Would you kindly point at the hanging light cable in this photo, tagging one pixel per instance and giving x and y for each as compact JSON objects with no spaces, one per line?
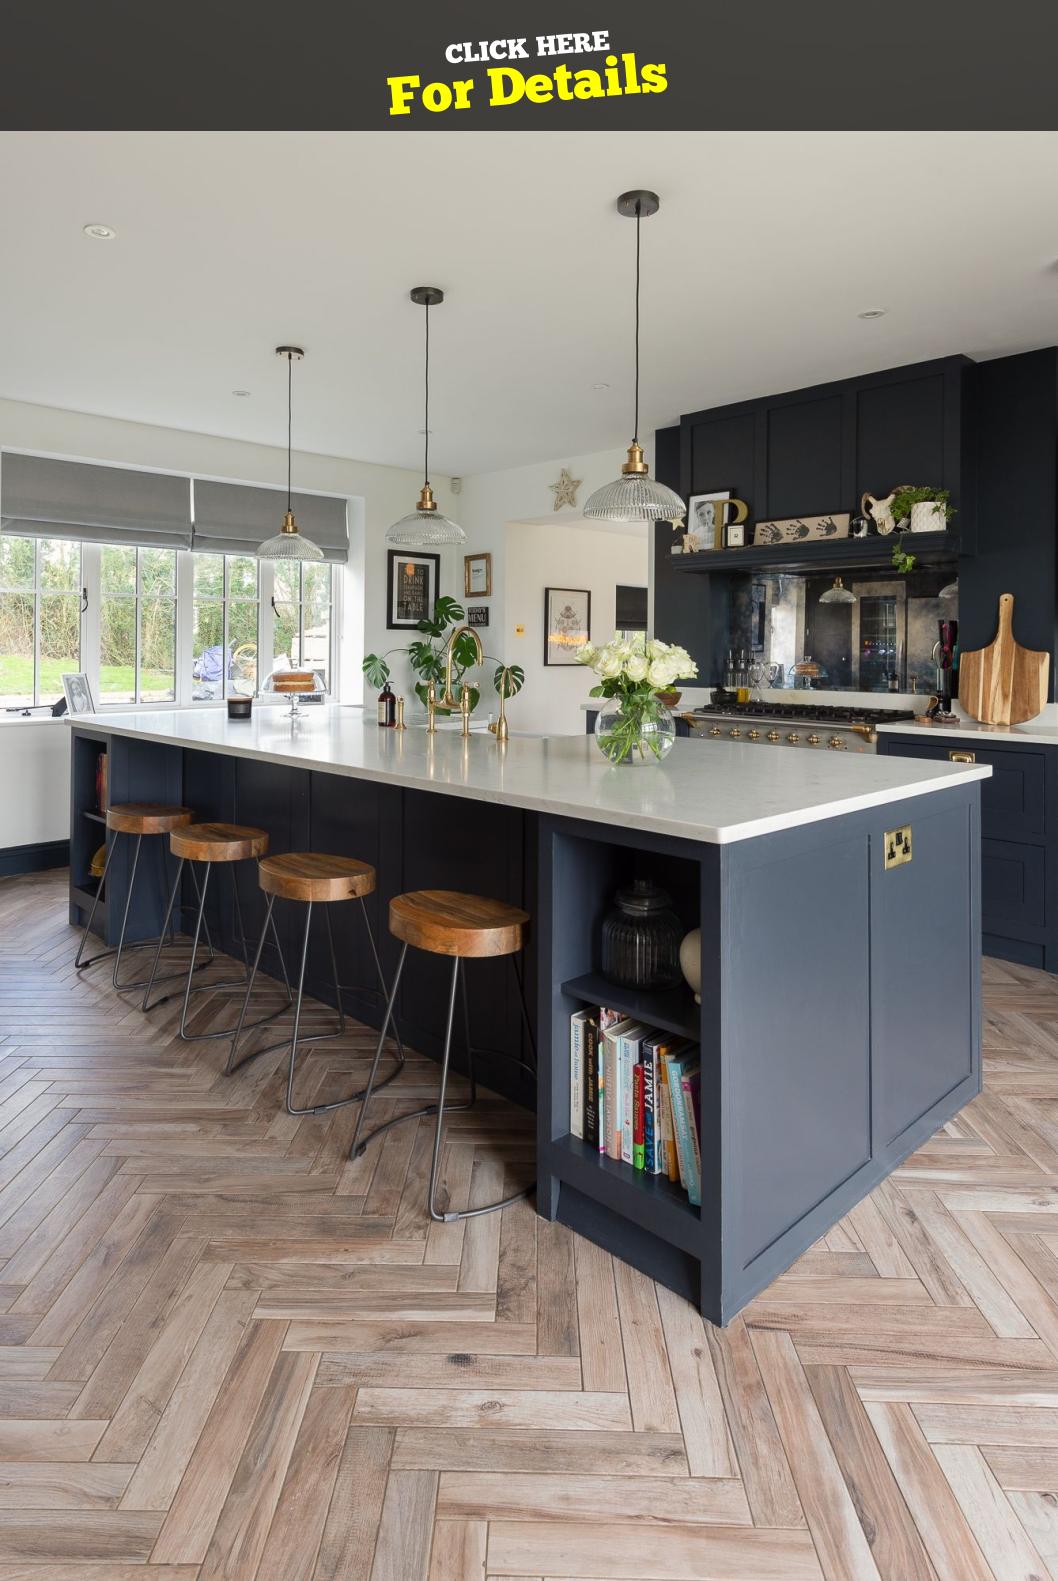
{"x":289,"y":543}
{"x":426,"y":526}
{"x":635,"y":496}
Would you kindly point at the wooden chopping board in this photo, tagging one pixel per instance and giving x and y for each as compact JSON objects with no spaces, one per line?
{"x":1003,"y":684}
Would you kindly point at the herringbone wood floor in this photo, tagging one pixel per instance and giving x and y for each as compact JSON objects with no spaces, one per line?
{"x":227,"y":1352}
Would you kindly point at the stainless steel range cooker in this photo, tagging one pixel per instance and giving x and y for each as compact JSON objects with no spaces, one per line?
{"x":820,"y":725}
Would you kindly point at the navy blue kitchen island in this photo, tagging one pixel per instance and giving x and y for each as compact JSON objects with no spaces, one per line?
{"x":839,"y":1022}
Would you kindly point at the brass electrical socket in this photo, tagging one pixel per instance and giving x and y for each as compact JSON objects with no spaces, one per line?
{"x":898,"y":846}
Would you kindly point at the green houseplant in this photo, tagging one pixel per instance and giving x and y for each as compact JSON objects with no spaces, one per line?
{"x":426,"y":655}
{"x":933,"y":519}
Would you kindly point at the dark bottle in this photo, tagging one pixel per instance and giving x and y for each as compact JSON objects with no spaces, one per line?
{"x":387,"y":707}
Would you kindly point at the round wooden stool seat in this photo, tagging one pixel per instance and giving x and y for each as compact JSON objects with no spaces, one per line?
{"x":147,"y":817}
{"x":447,"y":922}
{"x":310,"y":875}
{"x":218,"y":842}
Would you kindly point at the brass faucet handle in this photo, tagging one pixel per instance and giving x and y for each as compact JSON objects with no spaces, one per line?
{"x":464,"y":707}
{"x":431,"y":709}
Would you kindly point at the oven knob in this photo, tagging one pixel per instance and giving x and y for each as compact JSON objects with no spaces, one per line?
{"x":734,"y":731}
{"x":793,"y":737}
{"x":714,"y":730}
{"x":773,"y":735}
{"x":753,"y":735}
{"x":836,"y":744}
{"x":813,"y":741}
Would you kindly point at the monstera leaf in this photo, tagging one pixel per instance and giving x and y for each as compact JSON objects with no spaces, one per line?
{"x":465,"y":650}
{"x":376,"y":670}
{"x":511,"y":677}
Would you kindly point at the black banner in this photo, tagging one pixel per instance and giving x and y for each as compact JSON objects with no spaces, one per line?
{"x":571,"y":66}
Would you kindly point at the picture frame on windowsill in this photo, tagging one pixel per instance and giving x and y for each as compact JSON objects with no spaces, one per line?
{"x":77,"y":690}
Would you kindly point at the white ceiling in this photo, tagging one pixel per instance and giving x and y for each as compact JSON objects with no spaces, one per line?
{"x":766,"y":248}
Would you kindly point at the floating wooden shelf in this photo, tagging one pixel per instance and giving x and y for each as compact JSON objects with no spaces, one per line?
{"x":826,"y":554}
{"x":671,"y":1010}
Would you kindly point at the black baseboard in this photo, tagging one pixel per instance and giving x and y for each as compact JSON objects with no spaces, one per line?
{"x":34,"y":858}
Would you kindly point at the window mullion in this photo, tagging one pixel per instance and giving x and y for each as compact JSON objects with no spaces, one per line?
{"x":37,"y":616}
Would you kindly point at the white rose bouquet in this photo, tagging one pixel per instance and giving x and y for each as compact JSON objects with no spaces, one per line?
{"x":631,"y":674}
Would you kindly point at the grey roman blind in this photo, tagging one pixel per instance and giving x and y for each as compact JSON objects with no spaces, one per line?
{"x":233,"y":518}
{"x":46,"y":498}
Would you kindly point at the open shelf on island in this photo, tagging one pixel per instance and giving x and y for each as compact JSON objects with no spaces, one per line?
{"x":822,"y":554}
{"x":667,"y":1009}
{"x":652,"y":1201}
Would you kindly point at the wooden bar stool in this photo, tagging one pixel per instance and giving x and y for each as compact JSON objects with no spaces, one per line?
{"x":310,"y":878}
{"x":141,"y":819}
{"x":211,"y":843}
{"x":446,"y":922}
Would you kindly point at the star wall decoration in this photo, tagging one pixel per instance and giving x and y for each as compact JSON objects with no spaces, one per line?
{"x":565,"y":490}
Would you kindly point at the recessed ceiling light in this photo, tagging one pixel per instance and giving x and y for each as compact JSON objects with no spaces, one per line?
{"x":240,"y":392}
{"x":100,"y":233}
{"x":600,"y":386}
{"x":873,"y":312}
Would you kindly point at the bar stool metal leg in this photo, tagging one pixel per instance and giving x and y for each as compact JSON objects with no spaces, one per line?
{"x":359,"y":1146}
{"x":491,"y":1207}
{"x":168,"y":926}
{"x":77,"y":961}
{"x":296,"y":1039}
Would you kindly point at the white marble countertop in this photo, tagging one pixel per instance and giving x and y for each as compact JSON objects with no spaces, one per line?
{"x":731,"y":792}
{"x":1036,"y":732}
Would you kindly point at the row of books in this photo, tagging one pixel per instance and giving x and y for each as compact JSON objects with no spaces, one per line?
{"x":635,"y":1094}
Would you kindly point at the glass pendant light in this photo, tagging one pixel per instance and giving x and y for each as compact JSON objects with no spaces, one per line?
{"x":635,"y":496}
{"x":838,"y":594}
{"x":426,"y":526}
{"x":289,"y":542}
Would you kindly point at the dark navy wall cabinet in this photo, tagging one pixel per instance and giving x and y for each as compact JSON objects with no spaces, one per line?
{"x":984,"y":431}
{"x":1019,"y":829}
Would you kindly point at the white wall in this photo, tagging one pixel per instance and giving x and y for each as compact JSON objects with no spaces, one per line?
{"x":567,"y":556}
{"x":33,"y":792}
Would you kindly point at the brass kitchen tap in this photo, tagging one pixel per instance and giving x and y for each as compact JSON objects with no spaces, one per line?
{"x":447,"y":700}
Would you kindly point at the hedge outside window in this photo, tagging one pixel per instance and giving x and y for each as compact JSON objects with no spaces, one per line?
{"x":40,"y":618}
{"x":224,"y":629}
{"x":302,"y":630}
{"x":159,"y":624}
{"x":137,"y":625}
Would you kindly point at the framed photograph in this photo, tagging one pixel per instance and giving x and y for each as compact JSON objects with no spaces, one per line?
{"x":477,"y":576}
{"x":705,"y":517}
{"x":78,"y":694}
{"x":477,"y":614}
{"x":412,"y":588}
{"x":567,"y":623}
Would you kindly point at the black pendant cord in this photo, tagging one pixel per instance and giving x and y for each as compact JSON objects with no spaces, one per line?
{"x":635,"y":426}
{"x":290,"y":429}
{"x":426,"y":415}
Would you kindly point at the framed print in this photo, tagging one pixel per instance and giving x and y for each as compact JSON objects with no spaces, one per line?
{"x":78,"y":694}
{"x":477,"y":614}
{"x":705,"y":518}
{"x":412,"y":588}
{"x":477,"y":576}
{"x":567,"y":623}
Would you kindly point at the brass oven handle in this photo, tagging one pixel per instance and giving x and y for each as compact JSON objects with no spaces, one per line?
{"x":866,"y":731}
{"x":963,"y":757}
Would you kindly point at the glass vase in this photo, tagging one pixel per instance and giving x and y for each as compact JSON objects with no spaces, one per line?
{"x":634,"y":730}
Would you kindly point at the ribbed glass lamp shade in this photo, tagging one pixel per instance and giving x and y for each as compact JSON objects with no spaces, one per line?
{"x":634,"y":497}
{"x":424,"y":530}
{"x":289,"y":546}
{"x":838,"y":594}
